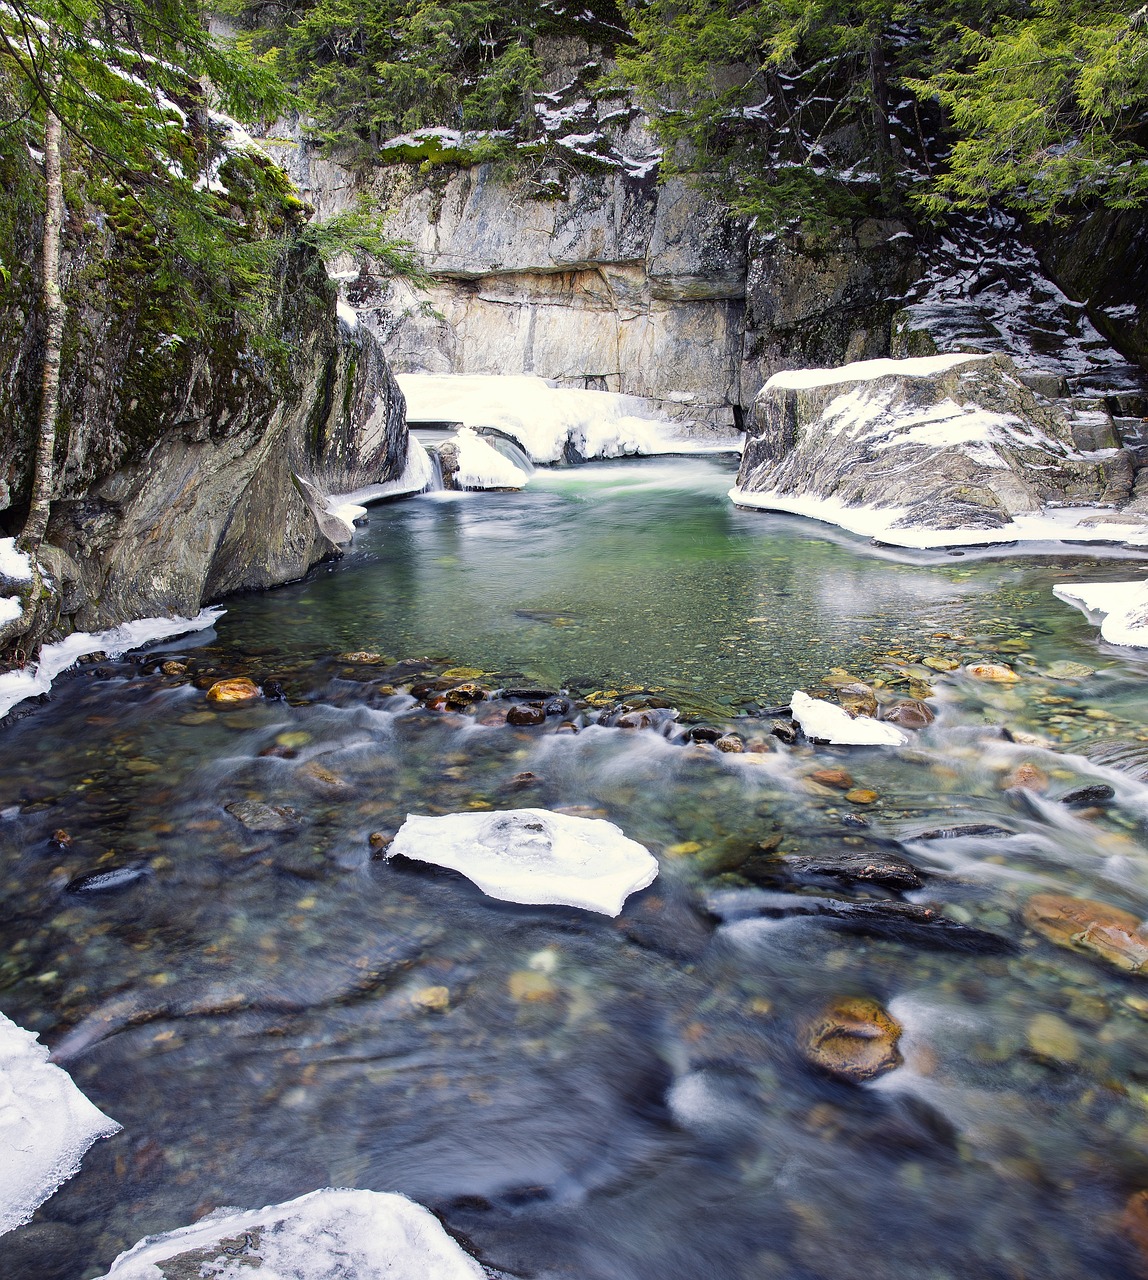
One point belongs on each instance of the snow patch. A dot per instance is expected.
(46, 1125)
(824, 722)
(348, 316)
(867, 371)
(15, 686)
(14, 565)
(324, 1235)
(1121, 608)
(541, 418)
(417, 474)
(481, 466)
(10, 609)
(533, 856)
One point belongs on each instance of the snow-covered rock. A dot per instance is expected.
(416, 476)
(477, 464)
(543, 419)
(46, 1125)
(15, 686)
(14, 564)
(326, 1235)
(1121, 608)
(824, 722)
(533, 856)
(937, 451)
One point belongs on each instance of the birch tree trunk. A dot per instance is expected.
(52, 301)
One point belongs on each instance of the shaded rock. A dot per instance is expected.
(233, 692)
(256, 816)
(1134, 1222)
(668, 926)
(1086, 797)
(852, 1038)
(909, 715)
(961, 831)
(868, 867)
(858, 699)
(525, 715)
(786, 730)
(1095, 928)
(703, 733)
(110, 880)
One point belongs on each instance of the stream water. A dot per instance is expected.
(264, 1010)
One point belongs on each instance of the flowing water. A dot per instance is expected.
(271, 1011)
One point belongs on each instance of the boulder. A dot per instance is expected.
(852, 1038)
(1080, 924)
(933, 451)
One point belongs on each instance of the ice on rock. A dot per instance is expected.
(1121, 608)
(481, 466)
(824, 722)
(325, 1235)
(417, 475)
(46, 1125)
(533, 856)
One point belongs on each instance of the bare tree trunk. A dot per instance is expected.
(52, 300)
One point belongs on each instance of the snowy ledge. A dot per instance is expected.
(1120, 608)
(16, 686)
(868, 371)
(1053, 525)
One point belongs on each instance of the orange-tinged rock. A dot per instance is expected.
(1135, 1224)
(861, 795)
(838, 779)
(1117, 937)
(853, 1038)
(235, 692)
(1028, 776)
(527, 986)
(993, 671)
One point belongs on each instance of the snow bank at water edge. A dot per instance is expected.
(1121, 608)
(1054, 525)
(533, 856)
(417, 474)
(15, 686)
(824, 722)
(46, 1125)
(481, 466)
(543, 419)
(325, 1235)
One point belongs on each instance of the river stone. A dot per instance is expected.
(1096, 928)
(730, 743)
(1128, 755)
(852, 1038)
(1052, 1039)
(525, 715)
(993, 672)
(909, 715)
(838, 779)
(870, 867)
(235, 692)
(858, 699)
(1092, 794)
(256, 816)
(1027, 776)
(1135, 1224)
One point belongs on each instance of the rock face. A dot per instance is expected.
(188, 469)
(924, 451)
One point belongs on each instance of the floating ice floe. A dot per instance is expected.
(543, 419)
(481, 466)
(824, 722)
(1121, 608)
(46, 1125)
(325, 1235)
(533, 856)
(37, 678)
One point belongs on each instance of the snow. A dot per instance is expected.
(824, 722)
(1051, 526)
(417, 474)
(14, 565)
(867, 371)
(542, 418)
(1120, 607)
(15, 686)
(325, 1235)
(533, 856)
(347, 512)
(348, 316)
(10, 609)
(481, 466)
(46, 1125)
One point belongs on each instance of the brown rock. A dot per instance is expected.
(1135, 1224)
(527, 986)
(173, 668)
(731, 743)
(1081, 924)
(910, 715)
(838, 779)
(852, 1038)
(858, 698)
(462, 695)
(364, 658)
(1028, 776)
(231, 693)
(61, 839)
(861, 795)
(525, 715)
(992, 671)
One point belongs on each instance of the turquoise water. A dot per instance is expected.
(253, 1009)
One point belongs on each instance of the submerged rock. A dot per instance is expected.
(913, 714)
(1085, 797)
(533, 856)
(256, 816)
(852, 1038)
(227, 693)
(1080, 924)
(993, 672)
(868, 867)
(109, 880)
(321, 1236)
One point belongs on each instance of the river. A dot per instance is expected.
(268, 1012)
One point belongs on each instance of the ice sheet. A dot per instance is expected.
(825, 722)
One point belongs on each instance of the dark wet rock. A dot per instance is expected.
(557, 706)
(1095, 928)
(853, 820)
(525, 715)
(912, 714)
(703, 733)
(109, 880)
(41, 1251)
(864, 867)
(668, 926)
(273, 690)
(858, 699)
(568, 726)
(786, 730)
(523, 781)
(1086, 797)
(277, 751)
(1125, 754)
(173, 668)
(531, 695)
(853, 1038)
(961, 831)
(256, 816)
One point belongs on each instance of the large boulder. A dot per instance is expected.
(934, 451)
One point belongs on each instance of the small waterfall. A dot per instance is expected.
(435, 483)
(509, 447)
